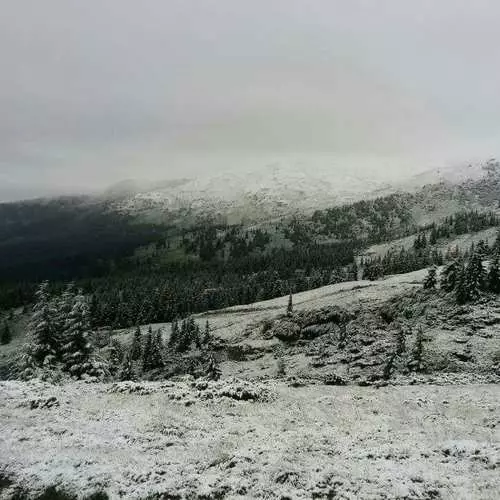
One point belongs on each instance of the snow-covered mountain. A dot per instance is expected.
(272, 190)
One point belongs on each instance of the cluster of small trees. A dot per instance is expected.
(59, 335)
(467, 279)
(150, 354)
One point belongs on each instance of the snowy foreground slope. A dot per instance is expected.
(189, 440)
(259, 433)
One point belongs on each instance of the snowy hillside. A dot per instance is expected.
(272, 190)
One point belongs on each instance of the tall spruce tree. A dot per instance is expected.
(289, 308)
(174, 334)
(127, 371)
(449, 276)
(461, 289)
(77, 348)
(116, 356)
(430, 281)
(213, 371)
(43, 345)
(475, 276)
(494, 274)
(64, 306)
(147, 354)
(136, 345)
(207, 337)
(156, 360)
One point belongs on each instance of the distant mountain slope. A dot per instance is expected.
(280, 190)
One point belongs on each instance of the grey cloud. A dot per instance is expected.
(92, 92)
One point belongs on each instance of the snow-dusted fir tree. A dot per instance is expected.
(430, 281)
(207, 337)
(147, 353)
(137, 345)
(43, 346)
(116, 356)
(475, 276)
(213, 371)
(127, 371)
(289, 308)
(156, 357)
(77, 348)
(449, 276)
(494, 274)
(63, 307)
(174, 335)
(461, 287)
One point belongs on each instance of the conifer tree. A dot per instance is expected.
(418, 351)
(400, 340)
(449, 276)
(461, 290)
(127, 371)
(207, 337)
(213, 370)
(289, 309)
(430, 281)
(77, 348)
(6, 335)
(433, 236)
(475, 276)
(63, 307)
(156, 358)
(174, 335)
(494, 275)
(136, 345)
(43, 344)
(116, 356)
(147, 354)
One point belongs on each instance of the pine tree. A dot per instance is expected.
(156, 358)
(127, 371)
(449, 276)
(65, 305)
(147, 354)
(77, 348)
(6, 335)
(207, 337)
(430, 281)
(213, 371)
(43, 344)
(418, 351)
(400, 340)
(475, 276)
(174, 335)
(433, 236)
(116, 356)
(461, 290)
(289, 309)
(494, 275)
(136, 345)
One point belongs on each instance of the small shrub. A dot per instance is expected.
(235, 353)
(281, 367)
(387, 314)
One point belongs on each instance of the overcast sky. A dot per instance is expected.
(93, 91)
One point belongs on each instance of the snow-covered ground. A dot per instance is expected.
(317, 441)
